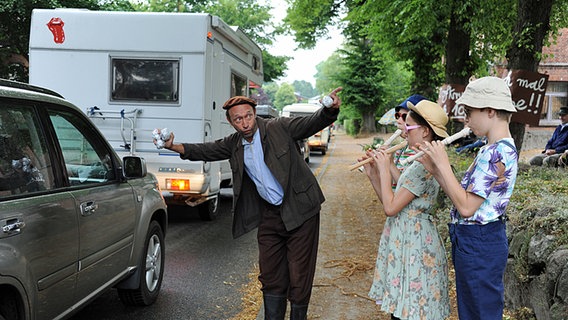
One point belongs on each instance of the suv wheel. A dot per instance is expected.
(208, 211)
(152, 270)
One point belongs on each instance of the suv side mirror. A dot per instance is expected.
(134, 167)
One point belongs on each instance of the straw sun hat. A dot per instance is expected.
(433, 114)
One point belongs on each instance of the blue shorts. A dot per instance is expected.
(479, 254)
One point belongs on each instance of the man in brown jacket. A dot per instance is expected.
(275, 191)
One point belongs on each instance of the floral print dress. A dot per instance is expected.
(411, 273)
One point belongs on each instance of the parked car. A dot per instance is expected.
(320, 141)
(75, 219)
(266, 111)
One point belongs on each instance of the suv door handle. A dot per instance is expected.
(88, 208)
(12, 226)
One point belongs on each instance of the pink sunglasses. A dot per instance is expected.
(407, 128)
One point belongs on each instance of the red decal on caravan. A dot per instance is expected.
(55, 25)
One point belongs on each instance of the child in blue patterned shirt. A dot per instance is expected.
(477, 228)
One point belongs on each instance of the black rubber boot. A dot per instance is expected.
(299, 312)
(274, 307)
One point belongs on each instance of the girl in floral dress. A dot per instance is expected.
(411, 276)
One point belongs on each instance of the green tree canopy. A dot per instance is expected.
(327, 75)
(270, 89)
(304, 88)
(284, 96)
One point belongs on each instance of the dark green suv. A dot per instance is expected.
(75, 219)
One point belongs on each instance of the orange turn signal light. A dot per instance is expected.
(177, 184)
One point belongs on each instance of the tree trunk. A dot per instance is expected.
(425, 63)
(533, 25)
(369, 124)
(458, 60)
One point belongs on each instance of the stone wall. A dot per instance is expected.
(536, 276)
(536, 138)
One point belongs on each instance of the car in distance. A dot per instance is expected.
(75, 219)
(320, 141)
(266, 111)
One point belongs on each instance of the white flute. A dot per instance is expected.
(388, 151)
(462, 134)
(395, 135)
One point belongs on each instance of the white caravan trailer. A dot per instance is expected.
(136, 71)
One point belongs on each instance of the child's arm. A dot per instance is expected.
(436, 162)
(393, 203)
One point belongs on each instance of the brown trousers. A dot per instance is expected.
(287, 259)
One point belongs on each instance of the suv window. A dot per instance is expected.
(25, 166)
(87, 160)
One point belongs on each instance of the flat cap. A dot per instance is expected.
(237, 100)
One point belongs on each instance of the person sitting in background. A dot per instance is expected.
(557, 144)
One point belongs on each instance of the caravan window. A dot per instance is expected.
(255, 64)
(145, 80)
(238, 85)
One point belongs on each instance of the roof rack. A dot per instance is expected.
(26, 86)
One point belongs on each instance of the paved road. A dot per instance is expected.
(205, 270)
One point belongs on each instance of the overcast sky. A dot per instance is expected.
(302, 66)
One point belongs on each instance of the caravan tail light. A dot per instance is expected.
(177, 184)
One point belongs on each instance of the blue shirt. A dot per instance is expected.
(266, 184)
(492, 176)
(559, 140)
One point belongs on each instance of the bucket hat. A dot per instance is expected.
(414, 99)
(487, 92)
(433, 114)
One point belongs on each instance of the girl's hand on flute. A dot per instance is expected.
(381, 157)
(369, 167)
(384, 149)
(435, 155)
